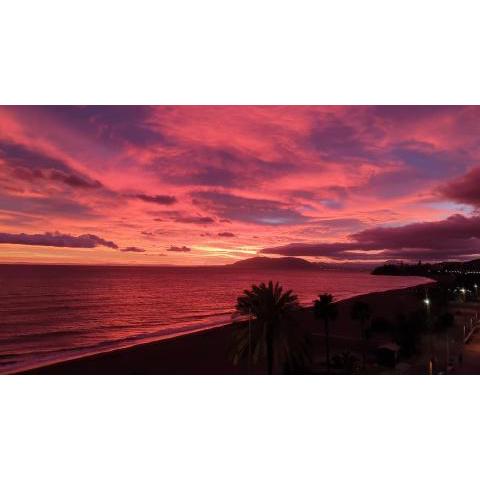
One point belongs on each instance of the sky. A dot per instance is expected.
(210, 185)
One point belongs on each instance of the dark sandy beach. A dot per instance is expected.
(205, 352)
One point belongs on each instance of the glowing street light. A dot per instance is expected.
(426, 301)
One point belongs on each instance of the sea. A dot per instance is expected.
(50, 313)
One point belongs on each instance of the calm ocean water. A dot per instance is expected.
(49, 313)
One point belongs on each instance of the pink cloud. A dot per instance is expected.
(277, 175)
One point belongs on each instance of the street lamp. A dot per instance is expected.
(426, 301)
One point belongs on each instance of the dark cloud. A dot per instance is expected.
(311, 250)
(73, 180)
(226, 234)
(428, 235)
(217, 167)
(455, 237)
(213, 176)
(199, 220)
(32, 166)
(464, 189)
(56, 239)
(159, 199)
(406, 114)
(133, 249)
(249, 210)
(335, 138)
(21, 155)
(179, 249)
(130, 124)
(181, 218)
(46, 206)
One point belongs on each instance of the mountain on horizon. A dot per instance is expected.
(295, 263)
(292, 263)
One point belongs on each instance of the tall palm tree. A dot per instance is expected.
(324, 309)
(361, 313)
(270, 332)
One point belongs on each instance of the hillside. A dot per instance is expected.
(428, 269)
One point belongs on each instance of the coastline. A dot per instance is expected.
(205, 351)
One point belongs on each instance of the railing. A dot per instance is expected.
(471, 332)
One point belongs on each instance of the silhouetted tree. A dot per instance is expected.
(325, 310)
(408, 331)
(361, 313)
(270, 331)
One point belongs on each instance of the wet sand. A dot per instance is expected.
(206, 352)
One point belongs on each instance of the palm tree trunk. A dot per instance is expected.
(447, 351)
(362, 326)
(327, 344)
(269, 340)
(430, 348)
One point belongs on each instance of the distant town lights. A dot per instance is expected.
(462, 290)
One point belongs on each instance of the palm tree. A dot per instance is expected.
(360, 312)
(270, 331)
(324, 309)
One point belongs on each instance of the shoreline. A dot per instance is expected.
(204, 351)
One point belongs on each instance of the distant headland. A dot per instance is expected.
(471, 267)
(283, 263)
(294, 263)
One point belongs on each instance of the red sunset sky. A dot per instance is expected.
(211, 185)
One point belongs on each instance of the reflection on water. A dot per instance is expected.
(51, 312)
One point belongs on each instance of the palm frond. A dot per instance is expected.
(270, 312)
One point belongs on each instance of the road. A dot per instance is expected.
(471, 356)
